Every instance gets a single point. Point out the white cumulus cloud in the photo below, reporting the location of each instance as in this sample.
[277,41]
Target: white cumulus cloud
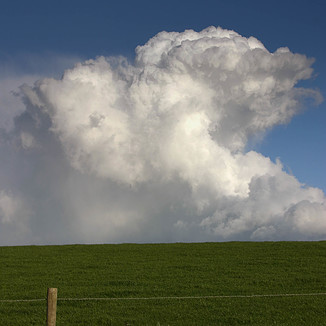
[155,150]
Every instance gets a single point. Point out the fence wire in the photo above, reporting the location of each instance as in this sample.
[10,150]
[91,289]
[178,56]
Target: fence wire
[173,298]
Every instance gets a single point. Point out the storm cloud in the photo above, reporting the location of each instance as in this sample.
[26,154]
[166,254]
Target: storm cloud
[156,150]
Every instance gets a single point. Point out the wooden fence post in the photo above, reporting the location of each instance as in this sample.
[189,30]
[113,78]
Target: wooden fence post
[51,307]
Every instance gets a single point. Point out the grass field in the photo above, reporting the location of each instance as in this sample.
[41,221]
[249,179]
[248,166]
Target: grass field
[166,270]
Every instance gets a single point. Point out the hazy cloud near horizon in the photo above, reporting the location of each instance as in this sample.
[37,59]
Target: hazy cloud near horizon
[155,150]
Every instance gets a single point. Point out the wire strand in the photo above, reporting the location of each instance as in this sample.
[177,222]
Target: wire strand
[173,298]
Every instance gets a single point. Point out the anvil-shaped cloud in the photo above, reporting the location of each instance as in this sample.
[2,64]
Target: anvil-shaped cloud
[156,150]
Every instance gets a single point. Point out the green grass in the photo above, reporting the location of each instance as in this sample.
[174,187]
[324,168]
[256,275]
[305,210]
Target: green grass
[156,270]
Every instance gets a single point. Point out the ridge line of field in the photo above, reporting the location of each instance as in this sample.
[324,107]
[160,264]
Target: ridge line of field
[176,298]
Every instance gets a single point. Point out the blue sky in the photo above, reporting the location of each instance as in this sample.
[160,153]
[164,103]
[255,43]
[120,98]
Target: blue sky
[84,29]
[77,184]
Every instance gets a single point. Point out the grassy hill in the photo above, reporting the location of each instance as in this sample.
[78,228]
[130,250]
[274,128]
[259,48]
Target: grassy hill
[236,269]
